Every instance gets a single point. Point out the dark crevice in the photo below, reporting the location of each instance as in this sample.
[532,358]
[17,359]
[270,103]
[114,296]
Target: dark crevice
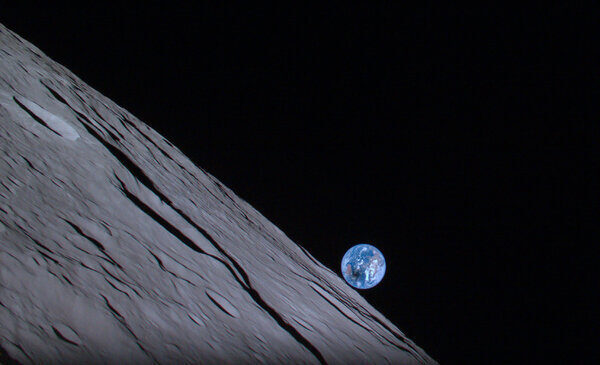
[34,240]
[342,312]
[184,169]
[285,325]
[206,235]
[85,120]
[159,261]
[216,197]
[184,279]
[67,280]
[146,352]
[10,86]
[62,100]
[35,117]
[109,258]
[240,210]
[163,222]
[113,310]
[128,163]
[113,285]
[89,268]
[254,294]
[414,352]
[174,230]
[244,281]
[6,359]
[82,116]
[83,102]
[7,187]
[101,118]
[46,257]
[372,332]
[300,324]
[154,157]
[55,94]
[110,274]
[95,242]
[59,335]
[31,165]
[53,274]
[118,137]
[121,319]
[219,305]
[167,142]
[106,226]
[143,179]
[20,348]
[175,345]
[22,67]
[84,251]
[310,256]
[127,123]
[96,112]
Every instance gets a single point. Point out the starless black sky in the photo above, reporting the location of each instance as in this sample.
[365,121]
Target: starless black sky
[457,140]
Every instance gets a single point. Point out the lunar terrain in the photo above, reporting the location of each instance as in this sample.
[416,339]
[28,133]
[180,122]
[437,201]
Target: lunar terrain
[116,248]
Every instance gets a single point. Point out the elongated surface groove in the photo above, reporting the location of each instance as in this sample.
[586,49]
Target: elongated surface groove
[116,248]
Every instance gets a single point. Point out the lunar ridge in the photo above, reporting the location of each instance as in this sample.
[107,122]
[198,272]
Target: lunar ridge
[115,247]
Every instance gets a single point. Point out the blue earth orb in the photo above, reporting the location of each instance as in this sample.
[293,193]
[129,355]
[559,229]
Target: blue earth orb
[363,266]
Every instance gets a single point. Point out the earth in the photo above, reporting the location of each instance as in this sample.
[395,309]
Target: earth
[363,266]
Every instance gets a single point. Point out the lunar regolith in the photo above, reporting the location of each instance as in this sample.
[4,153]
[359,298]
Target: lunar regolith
[115,247]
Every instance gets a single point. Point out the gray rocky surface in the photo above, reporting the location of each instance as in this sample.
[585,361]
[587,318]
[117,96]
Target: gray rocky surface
[115,247]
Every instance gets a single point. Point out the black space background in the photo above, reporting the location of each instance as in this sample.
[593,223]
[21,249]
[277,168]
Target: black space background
[460,141]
